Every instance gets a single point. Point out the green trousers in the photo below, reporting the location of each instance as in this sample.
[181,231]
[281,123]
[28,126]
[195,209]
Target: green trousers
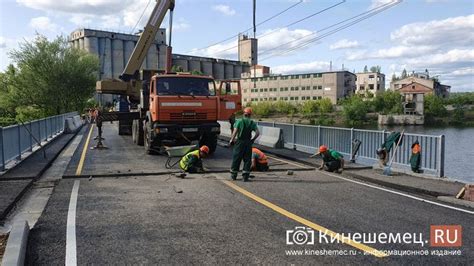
[242,151]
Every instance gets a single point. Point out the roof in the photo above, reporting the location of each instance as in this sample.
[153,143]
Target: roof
[415,87]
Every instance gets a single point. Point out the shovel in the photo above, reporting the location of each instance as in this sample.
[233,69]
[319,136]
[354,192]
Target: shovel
[388,169]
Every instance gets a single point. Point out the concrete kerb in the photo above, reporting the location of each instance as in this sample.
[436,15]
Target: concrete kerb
[16,244]
[453,200]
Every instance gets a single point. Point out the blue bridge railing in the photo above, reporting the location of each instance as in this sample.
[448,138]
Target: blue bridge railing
[19,139]
[307,138]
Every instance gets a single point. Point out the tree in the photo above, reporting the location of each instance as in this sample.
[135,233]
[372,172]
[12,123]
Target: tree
[365,69]
[434,106]
[50,78]
[375,69]
[404,73]
[355,110]
[388,102]
[394,77]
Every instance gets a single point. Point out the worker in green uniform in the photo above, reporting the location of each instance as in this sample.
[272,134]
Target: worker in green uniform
[333,161]
[192,161]
[242,138]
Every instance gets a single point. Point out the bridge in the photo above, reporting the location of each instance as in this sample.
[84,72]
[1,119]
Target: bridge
[121,206]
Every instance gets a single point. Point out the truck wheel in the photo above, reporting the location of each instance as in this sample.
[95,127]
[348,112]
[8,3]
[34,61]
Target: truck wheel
[147,139]
[135,132]
[210,141]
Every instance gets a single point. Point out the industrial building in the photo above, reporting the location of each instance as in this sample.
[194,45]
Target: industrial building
[298,87]
[114,50]
[424,79]
[370,83]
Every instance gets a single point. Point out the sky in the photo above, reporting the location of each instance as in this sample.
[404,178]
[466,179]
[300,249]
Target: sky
[415,35]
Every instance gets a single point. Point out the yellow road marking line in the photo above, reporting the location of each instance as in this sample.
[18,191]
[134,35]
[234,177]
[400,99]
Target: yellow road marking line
[288,162]
[84,151]
[369,250]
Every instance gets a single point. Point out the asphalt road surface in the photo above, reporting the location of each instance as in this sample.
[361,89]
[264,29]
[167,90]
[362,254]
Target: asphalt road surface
[139,214]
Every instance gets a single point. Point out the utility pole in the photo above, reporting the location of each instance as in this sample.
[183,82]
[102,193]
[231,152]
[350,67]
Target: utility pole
[254,36]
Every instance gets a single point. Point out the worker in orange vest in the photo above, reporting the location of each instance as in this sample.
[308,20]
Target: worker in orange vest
[259,160]
[415,159]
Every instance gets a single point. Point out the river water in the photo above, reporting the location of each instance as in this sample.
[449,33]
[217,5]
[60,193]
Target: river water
[459,157]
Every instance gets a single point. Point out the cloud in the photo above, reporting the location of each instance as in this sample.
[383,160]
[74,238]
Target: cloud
[269,43]
[314,66]
[108,14]
[181,24]
[43,24]
[392,52]
[467,71]
[344,44]
[450,31]
[3,43]
[98,7]
[451,58]
[224,9]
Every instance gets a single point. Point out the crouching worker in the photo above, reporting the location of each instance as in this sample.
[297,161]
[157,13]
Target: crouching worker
[192,161]
[259,160]
[333,161]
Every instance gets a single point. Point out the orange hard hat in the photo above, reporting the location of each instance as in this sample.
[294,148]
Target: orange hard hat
[248,110]
[204,149]
[323,148]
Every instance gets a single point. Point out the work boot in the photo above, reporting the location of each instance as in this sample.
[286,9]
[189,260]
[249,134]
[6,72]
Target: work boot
[234,177]
[246,178]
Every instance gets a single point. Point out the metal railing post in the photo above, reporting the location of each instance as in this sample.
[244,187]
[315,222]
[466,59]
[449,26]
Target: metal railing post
[441,156]
[319,136]
[294,137]
[273,124]
[2,152]
[31,138]
[350,144]
[19,142]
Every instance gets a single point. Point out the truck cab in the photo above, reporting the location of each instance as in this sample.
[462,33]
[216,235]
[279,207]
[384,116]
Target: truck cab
[182,109]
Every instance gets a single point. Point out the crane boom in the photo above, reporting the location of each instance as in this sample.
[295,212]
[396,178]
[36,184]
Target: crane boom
[146,39]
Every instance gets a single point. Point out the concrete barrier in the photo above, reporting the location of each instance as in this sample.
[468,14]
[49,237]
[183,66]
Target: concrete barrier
[269,136]
[77,121]
[72,124]
[16,245]
[225,129]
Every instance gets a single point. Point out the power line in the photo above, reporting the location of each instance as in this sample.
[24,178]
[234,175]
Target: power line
[141,16]
[364,16]
[258,24]
[288,25]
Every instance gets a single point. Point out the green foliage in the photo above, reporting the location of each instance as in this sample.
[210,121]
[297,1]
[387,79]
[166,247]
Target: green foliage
[434,106]
[376,69]
[465,98]
[310,108]
[355,110]
[262,109]
[388,102]
[458,115]
[404,74]
[176,69]
[197,73]
[282,107]
[366,69]
[50,78]
[325,106]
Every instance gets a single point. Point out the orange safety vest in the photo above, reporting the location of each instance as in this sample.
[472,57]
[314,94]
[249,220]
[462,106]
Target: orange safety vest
[262,159]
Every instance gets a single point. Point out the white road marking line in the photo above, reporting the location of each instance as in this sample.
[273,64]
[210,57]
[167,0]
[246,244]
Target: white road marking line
[393,192]
[71,254]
